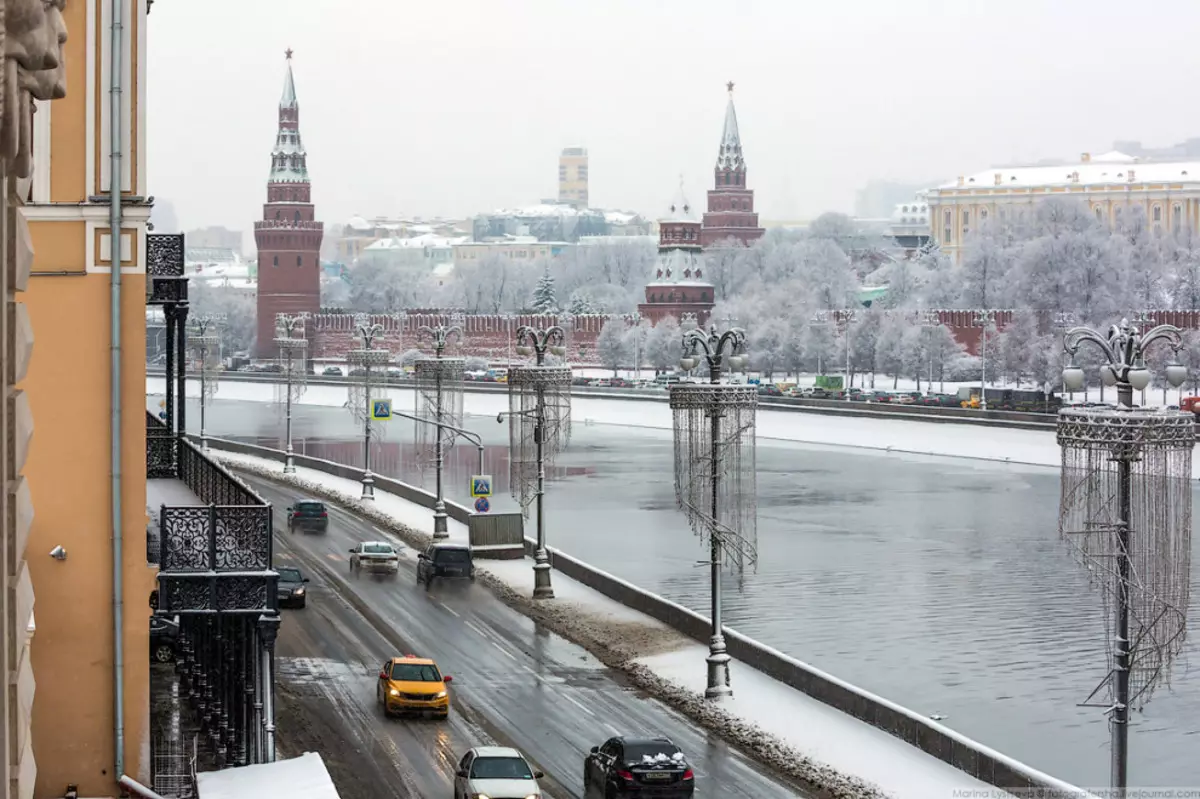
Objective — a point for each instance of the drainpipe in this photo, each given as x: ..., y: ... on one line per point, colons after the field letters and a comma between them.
x: 114, y: 225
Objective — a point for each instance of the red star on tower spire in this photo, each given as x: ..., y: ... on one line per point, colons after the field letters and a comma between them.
x: 288, y: 55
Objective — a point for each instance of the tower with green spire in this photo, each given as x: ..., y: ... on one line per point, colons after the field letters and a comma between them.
x: 288, y: 237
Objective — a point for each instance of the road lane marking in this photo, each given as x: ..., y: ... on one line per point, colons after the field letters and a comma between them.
x: 478, y: 629
x: 334, y: 556
x: 283, y: 555
x: 578, y: 704
x: 504, y: 651
x: 448, y: 609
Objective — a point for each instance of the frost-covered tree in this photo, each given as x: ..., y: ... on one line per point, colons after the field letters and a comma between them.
x: 544, y: 301
x: 904, y: 284
x: 1183, y: 257
x: 945, y: 350
x: 664, y: 345
x: 610, y: 345
x: 864, y: 340
x: 985, y: 267
x: 636, y: 338
x: 238, y: 330
x: 494, y: 284
x: 767, y: 342
x: 940, y: 287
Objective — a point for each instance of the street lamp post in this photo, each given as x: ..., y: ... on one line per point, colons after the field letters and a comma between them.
x: 1132, y: 537
x: 291, y: 341
x: 931, y: 321
x: 983, y: 319
x: 848, y: 317
x: 714, y: 471
x: 206, y: 347
x: 548, y: 425
x: 819, y: 319
x: 1064, y: 321
x: 434, y: 376
x: 367, y: 357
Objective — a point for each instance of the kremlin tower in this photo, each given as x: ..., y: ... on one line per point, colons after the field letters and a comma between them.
x: 730, y: 204
x: 677, y: 286
x: 288, y: 237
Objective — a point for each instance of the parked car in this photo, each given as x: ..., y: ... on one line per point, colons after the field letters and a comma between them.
x: 292, y: 593
x: 308, y: 514
x: 332, y: 371
x: 496, y: 771
x: 445, y: 562
x: 636, y: 767
x: 164, y: 636
x: 375, y: 557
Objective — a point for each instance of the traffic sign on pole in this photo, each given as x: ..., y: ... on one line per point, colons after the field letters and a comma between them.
x: 482, y: 505
x: 481, y: 485
x: 381, y: 410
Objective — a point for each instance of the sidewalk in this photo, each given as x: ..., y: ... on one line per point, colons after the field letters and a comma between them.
x: 786, y: 727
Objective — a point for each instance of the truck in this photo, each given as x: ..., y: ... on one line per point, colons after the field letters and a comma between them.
x: 1010, y: 399
x: 829, y: 382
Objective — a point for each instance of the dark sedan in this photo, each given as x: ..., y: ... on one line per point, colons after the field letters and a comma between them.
x: 645, y: 768
x: 292, y: 592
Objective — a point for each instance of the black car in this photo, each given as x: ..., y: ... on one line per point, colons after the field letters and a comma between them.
x: 445, y: 562
x: 292, y: 593
x: 332, y: 371
x: 164, y: 635
x: 638, y: 767
x: 308, y: 514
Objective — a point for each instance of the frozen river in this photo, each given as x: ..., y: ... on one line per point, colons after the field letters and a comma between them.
x: 938, y: 583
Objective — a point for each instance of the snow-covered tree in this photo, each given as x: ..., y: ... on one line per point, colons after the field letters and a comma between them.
x: 904, y: 284
x: 544, y: 301
x: 767, y: 341
x: 636, y: 338
x: 664, y: 345
x: 1183, y: 257
x: 610, y: 345
x: 940, y: 285
x: 945, y: 350
x: 581, y: 303
x: 238, y: 330
x: 411, y: 356
x: 985, y: 267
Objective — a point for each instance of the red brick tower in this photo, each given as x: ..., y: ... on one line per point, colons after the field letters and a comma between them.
x: 678, y: 286
x: 730, y: 204
x: 288, y: 237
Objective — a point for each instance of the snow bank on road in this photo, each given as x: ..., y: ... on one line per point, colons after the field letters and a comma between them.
x: 669, y: 666
x: 1028, y: 447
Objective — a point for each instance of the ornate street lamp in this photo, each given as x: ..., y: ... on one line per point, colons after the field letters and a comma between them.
x: 848, y: 318
x: 1126, y: 511
x: 205, y: 345
x: 293, y: 346
x: 368, y: 371
x: 439, y: 399
x: 539, y: 415
x: 714, y: 469
x: 983, y: 319
x: 931, y: 321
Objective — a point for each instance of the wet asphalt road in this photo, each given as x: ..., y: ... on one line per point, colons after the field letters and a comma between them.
x: 514, y: 683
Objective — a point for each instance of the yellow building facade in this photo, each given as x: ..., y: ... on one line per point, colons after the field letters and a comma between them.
x: 68, y: 467
x: 1111, y: 184
x: 573, y: 177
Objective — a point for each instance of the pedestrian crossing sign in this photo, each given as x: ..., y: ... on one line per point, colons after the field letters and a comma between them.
x: 381, y: 410
x: 481, y: 485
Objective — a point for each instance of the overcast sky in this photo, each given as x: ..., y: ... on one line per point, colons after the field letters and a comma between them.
x: 459, y: 106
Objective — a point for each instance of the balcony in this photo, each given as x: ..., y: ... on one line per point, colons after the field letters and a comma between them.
x: 210, y: 535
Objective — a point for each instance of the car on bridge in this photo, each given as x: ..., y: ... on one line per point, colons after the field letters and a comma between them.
x: 308, y: 514
x: 496, y: 771
x: 291, y: 590
x: 637, y: 767
x: 413, y: 685
x: 445, y: 562
x: 375, y: 557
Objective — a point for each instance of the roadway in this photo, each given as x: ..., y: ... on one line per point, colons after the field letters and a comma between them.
x: 515, y: 683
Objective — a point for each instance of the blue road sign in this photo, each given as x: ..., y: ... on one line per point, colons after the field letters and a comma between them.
x: 381, y: 409
x: 481, y: 485
x: 482, y: 505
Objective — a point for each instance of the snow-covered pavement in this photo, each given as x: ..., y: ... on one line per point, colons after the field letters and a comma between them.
x: 833, y: 745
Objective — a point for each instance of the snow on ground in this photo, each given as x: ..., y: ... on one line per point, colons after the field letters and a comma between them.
x: 798, y: 733
x: 303, y: 777
x: 822, y: 733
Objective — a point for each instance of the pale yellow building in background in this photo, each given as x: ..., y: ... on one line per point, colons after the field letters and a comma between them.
x: 573, y: 177
x: 1167, y: 192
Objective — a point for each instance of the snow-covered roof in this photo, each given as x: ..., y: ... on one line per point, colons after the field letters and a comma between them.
x: 543, y: 209
x: 414, y: 242
x: 303, y: 777
x: 358, y: 223
x: 1112, y: 168
x: 619, y: 217
x: 443, y: 270
x: 680, y: 210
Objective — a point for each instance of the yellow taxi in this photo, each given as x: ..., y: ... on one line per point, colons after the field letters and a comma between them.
x: 413, y: 685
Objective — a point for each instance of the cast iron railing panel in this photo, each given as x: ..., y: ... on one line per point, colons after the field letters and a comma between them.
x: 164, y: 254
x: 211, y: 481
x: 215, y: 538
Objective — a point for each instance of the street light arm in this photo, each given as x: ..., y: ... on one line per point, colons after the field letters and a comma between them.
x: 734, y: 338
x: 695, y: 339
x: 1168, y: 333
x: 1077, y: 335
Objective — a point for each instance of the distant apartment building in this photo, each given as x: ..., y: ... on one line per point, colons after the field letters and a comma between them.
x: 520, y: 248
x: 573, y: 177
x: 909, y: 224
x: 425, y: 251
x: 215, y: 238
x: 351, y: 239
x: 1111, y: 185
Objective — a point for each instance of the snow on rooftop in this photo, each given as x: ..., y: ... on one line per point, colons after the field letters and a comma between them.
x: 358, y: 223
x: 414, y: 242
x: 303, y: 777
x: 1112, y: 168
